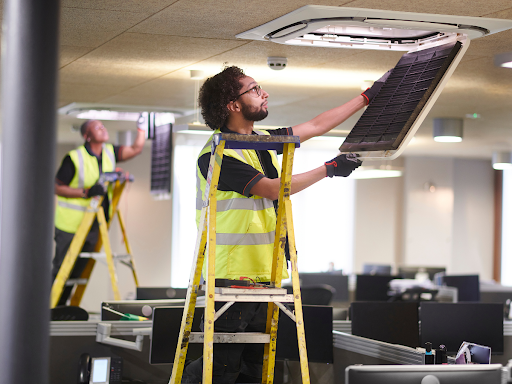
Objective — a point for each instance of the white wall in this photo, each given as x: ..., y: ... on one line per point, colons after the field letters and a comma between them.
x: 378, y: 222
x: 473, y: 223
x: 452, y: 226
x: 428, y: 216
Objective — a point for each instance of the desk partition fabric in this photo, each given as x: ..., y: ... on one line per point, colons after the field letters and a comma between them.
x: 452, y: 323
x: 405, y: 93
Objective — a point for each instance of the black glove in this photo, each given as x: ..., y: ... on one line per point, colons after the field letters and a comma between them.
x: 96, y: 190
x: 342, y: 165
x: 371, y: 92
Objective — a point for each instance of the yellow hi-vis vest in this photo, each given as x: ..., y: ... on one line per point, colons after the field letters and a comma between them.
x: 70, y: 210
x: 245, y: 225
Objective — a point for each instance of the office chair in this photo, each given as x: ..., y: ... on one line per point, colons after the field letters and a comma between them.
x: 320, y: 294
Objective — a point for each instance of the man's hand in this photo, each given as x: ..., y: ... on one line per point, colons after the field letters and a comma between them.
x: 371, y: 92
x: 342, y: 165
x: 96, y: 190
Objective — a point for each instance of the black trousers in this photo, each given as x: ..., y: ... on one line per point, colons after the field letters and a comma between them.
x: 62, y: 243
x: 234, y: 363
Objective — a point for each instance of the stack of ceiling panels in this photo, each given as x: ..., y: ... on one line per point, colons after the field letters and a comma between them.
x: 405, y: 93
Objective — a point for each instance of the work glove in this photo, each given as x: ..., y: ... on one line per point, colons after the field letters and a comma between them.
x: 342, y: 165
x: 96, y: 190
x: 371, y: 92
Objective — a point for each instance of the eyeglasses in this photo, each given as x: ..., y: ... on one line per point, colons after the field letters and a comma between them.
x: 254, y: 92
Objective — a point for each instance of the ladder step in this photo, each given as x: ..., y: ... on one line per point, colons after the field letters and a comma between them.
x: 71, y: 282
x: 232, y: 338
x: 253, y: 295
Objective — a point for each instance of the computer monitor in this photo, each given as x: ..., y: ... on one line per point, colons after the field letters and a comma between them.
x: 165, y: 334
x: 373, y: 287
x: 452, y: 323
x: 410, y: 272
x: 335, y: 279
x: 468, y: 286
x: 376, y: 269
x: 317, y: 326
x: 156, y: 293
x: 407, y: 374
x: 395, y: 323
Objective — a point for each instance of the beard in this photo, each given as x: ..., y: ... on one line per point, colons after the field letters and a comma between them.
x: 251, y: 113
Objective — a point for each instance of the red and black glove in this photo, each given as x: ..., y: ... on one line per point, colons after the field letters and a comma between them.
x: 371, y: 92
x: 342, y: 165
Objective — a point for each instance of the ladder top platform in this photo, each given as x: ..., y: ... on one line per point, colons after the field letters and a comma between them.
x: 261, y: 142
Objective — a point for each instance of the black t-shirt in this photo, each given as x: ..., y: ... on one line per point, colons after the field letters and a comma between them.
x: 238, y: 176
x: 67, y: 171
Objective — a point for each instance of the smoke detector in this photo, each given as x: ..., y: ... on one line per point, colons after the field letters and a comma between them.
x: 277, y: 63
x: 340, y: 27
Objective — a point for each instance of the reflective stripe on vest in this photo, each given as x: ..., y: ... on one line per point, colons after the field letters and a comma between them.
x: 245, y: 238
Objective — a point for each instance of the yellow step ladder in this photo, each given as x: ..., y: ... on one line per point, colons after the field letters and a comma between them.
x: 275, y: 295
x: 94, y: 211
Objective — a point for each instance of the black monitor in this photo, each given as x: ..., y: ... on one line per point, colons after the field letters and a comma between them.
x: 410, y: 272
x: 467, y: 285
x: 317, y: 325
x: 395, y: 323
x: 335, y: 279
x: 156, y: 293
x: 373, y: 287
x: 376, y: 269
x: 453, y: 323
x: 407, y: 374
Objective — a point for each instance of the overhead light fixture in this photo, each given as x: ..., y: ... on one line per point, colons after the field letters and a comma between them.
x: 96, y: 111
x: 503, y: 60
x: 502, y: 160
x: 448, y: 130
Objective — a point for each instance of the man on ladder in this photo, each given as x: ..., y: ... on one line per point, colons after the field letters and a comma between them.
x: 77, y: 182
x: 246, y: 207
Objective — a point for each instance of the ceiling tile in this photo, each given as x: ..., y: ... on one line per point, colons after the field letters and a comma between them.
x: 68, y: 53
x: 220, y: 18
x: 132, y: 58
x: 443, y: 7
x: 90, y: 27
x: 146, y: 6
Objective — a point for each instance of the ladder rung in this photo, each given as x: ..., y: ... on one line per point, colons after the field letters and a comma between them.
x: 71, y: 282
x: 253, y: 295
x: 255, y: 298
x: 233, y: 338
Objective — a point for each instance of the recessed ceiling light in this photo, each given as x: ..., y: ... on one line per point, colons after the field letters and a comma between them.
x: 503, y: 60
x: 447, y: 130
x: 502, y: 160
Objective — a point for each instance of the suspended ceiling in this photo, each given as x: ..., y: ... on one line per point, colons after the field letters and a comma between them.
x: 140, y: 53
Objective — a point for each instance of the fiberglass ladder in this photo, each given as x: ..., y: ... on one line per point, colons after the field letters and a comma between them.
x: 274, y: 295
x: 93, y: 211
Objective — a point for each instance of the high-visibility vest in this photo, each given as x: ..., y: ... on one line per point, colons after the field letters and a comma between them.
x: 246, y: 226
x: 70, y: 210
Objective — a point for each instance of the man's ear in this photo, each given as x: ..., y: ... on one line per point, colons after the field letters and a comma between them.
x: 233, y: 106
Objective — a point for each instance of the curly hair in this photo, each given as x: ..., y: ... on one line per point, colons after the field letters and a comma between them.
x: 216, y: 93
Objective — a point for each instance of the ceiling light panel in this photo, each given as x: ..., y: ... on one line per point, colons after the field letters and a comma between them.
x: 340, y: 27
